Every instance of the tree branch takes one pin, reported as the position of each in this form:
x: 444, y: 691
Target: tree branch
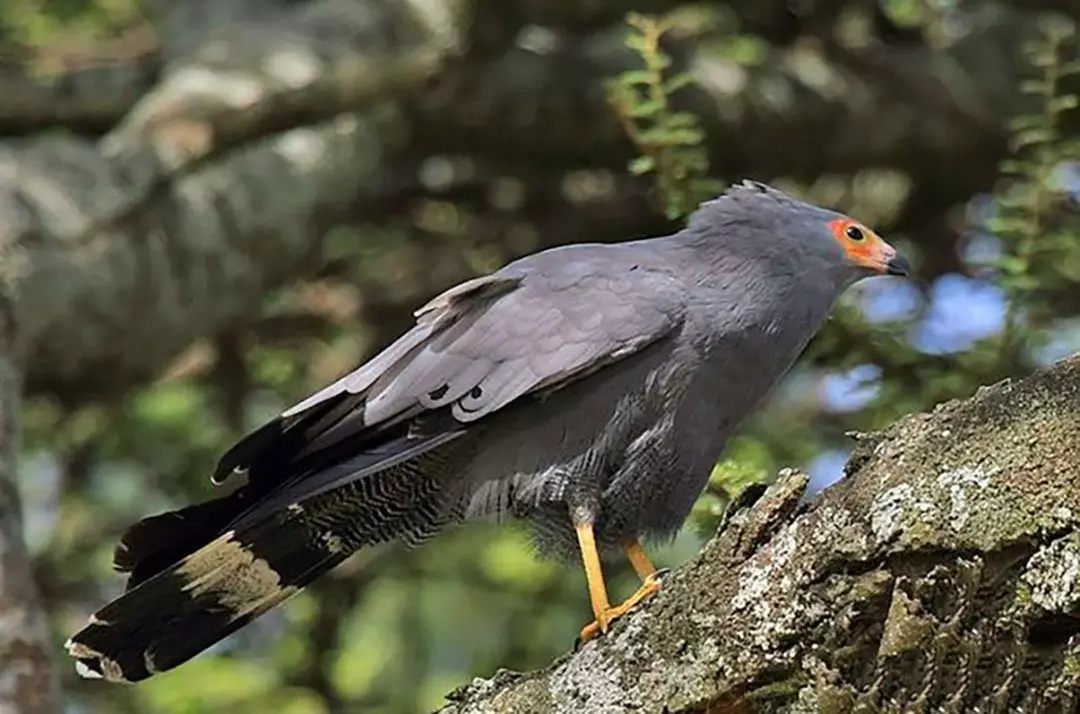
x: 939, y: 575
x: 186, y: 27
x: 804, y: 110
x: 85, y: 90
x: 28, y: 684
x: 159, y: 235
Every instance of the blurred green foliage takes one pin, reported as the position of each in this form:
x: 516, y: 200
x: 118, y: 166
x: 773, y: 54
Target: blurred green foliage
x: 393, y: 630
x: 669, y: 141
x: 1040, y: 256
x: 38, y: 22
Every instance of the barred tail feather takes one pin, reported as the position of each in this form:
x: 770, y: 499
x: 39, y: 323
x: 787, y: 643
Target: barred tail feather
x: 153, y: 544
x: 270, y: 552
x: 178, y: 613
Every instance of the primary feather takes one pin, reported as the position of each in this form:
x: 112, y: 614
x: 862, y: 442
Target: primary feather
x: 596, y: 377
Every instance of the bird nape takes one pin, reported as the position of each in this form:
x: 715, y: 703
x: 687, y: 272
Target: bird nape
x: 587, y: 389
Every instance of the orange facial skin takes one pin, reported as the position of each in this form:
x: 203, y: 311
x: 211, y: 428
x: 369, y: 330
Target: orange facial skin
x: 865, y: 248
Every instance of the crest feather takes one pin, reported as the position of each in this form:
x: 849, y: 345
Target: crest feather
x: 745, y: 202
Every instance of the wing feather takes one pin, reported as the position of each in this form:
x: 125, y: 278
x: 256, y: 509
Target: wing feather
x: 536, y: 325
x: 534, y: 338
x: 433, y: 317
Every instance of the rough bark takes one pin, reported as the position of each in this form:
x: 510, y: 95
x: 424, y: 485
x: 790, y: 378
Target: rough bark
x: 27, y: 678
x: 943, y: 574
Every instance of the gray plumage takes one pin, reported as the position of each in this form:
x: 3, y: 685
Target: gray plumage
x: 588, y: 383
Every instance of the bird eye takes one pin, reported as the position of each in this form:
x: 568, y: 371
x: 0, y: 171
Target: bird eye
x: 854, y: 233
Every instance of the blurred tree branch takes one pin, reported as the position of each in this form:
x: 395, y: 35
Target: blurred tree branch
x: 85, y: 90
x: 548, y: 107
x: 28, y: 684
x: 794, y: 114
x: 139, y: 198
x: 939, y: 575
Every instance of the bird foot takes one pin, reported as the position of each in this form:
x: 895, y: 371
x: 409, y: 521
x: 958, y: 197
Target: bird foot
x: 604, y: 619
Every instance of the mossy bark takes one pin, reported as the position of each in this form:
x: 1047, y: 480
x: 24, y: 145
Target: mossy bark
x: 941, y: 575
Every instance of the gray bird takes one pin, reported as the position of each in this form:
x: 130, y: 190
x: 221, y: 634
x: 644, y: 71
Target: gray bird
x: 588, y: 389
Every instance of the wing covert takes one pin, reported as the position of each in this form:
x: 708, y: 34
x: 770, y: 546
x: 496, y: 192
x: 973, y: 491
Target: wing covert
x: 537, y: 324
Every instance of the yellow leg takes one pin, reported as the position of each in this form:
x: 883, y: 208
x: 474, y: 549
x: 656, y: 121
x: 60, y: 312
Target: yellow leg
x: 602, y: 610
x: 642, y: 565
x: 594, y: 575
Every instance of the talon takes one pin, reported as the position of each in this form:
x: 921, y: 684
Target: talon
x: 604, y: 619
x: 602, y: 610
x: 594, y: 629
x: 597, y: 627
x: 589, y: 632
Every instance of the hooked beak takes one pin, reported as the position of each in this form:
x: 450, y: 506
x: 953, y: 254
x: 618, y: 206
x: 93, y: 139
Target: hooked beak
x: 886, y: 260
x: 898, y: 265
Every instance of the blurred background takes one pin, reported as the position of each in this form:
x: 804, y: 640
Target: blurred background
x: 949, y: 125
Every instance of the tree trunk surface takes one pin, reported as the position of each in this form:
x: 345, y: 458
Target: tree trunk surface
x: 28, y: 681
x: 941, y: 575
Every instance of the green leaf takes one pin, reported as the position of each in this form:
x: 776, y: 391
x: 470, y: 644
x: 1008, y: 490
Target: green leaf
x: 1064, y: 102
x: 745, y: 50
x: 657, y: 61
x: 1017, y: 166
x: 1025, y: 282
x: 685, y: 136
x: 677, y: 82
x: 1026, y: 121
x: 635, y: 77
x: 1013, y: 265
x: 1031, y: 137
x: 707, y: 187
x: 1033, y: 86
x: 647, y: 108
x: 635, y: 43
x: 503, y: 565
x: 1043, y: 59
x: 1056, y: 28
x: 674, y: 211
x: 678, y: 120
x: 641, y: 165
x: 653, y: 136
x: 1010, y: 225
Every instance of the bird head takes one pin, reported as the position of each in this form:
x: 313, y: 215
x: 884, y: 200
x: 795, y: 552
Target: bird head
x: 864, y: 251
x: 765, y: 225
